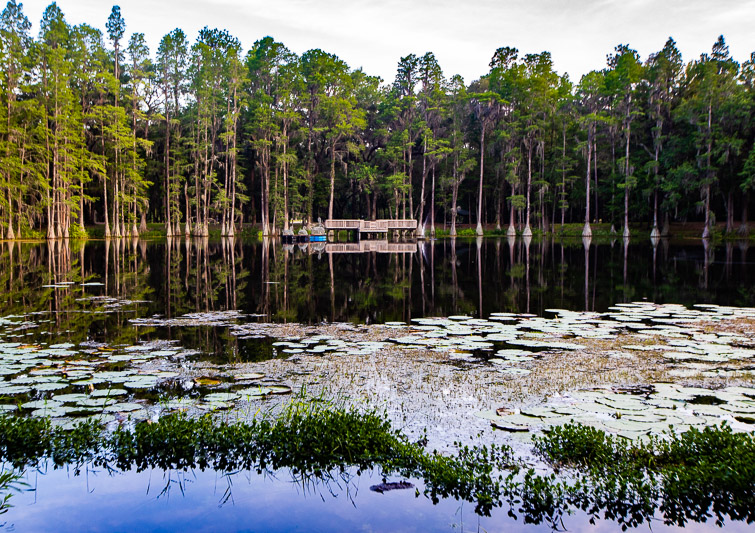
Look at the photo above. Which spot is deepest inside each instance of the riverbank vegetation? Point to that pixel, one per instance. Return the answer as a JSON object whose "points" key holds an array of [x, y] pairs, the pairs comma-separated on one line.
{"points": [[688, 477], [97, 129]]}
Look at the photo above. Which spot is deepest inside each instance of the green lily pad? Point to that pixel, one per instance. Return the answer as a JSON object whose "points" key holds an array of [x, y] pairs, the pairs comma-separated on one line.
{"points": [[124, 407], [254, 391], [70, 398], [108, 393], [46, 387], [41, 404], [249, 376], [144, 383], [52, 412], [10, 390], [221, 397], [512, 428], [96, 402], [540, 412], [163, 353], [739, 408], [180, 403], [214, 406]]}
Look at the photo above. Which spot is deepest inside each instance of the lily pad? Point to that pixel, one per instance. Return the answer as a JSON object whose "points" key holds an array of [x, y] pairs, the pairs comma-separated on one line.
{"points": [[41, 404], [207, 382], [221, 397], [249, 376], [124, 407], [108, 393]]}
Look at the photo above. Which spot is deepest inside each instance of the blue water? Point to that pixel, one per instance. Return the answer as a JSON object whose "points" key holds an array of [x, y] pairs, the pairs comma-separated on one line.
{"points": [[208, 501]]}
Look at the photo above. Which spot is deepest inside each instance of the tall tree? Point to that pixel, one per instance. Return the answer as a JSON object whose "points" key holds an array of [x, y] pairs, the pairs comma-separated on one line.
{"points": [[662, 73], [172, 72], [486, 108], [15, 43], [589, 94], [709, 82], [625, 72], [116, 27]]}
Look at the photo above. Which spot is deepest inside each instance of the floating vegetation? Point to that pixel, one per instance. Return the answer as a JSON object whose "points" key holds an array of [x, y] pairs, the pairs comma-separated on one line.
{"points": [[514, 347], [636, 373], [214, 318], [657, 409], [108, 303], [65, 381]]}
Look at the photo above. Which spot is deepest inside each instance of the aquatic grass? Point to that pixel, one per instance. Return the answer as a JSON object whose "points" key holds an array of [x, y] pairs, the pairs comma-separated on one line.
{"points": [[695, 475], [311, 439], [10, 482], [24, 441], [701, 473]]}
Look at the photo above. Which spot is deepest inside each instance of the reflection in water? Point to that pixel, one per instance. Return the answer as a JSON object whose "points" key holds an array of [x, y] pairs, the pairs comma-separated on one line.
{"points": [[654, 240], [707, 258], [527, 241], [586, 244], [122, 279], [626, 260], [479, 274], [207, 500]]}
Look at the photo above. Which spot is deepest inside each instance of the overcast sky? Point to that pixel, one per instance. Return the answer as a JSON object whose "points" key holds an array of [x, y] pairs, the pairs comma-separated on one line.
{"points": [[374, 34]]}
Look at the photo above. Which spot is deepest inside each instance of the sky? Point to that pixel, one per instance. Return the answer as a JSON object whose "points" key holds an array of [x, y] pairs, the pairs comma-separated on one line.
{"points": [[375, 34]]}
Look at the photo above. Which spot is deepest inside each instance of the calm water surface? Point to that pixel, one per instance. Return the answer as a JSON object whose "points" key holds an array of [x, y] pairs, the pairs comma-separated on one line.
{"points": [[207, 501], [90, 292], [308, 284]]}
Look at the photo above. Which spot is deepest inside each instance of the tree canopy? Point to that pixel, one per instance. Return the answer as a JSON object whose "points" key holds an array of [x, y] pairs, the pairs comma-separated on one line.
{"points": [[95, 129]]}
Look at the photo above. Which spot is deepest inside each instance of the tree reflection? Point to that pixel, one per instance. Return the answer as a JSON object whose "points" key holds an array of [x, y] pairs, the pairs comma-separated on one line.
{"points": [[312, 284]]}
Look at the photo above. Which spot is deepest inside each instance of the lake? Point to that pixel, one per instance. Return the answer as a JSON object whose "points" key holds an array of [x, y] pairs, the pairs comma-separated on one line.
{"points": [[129, 330]]}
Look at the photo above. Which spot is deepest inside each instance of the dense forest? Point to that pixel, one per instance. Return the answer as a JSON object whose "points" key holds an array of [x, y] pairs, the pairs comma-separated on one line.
{"points": [[96, 129]]}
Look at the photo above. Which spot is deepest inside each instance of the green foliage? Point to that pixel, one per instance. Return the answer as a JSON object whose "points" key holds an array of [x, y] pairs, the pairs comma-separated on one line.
{"points": [[685, 476], [91, 127], [311, 438], [78, 233]]}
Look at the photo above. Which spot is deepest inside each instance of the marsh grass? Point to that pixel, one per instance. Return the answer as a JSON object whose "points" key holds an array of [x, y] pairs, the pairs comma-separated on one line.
{"points": [[689, 477], [699, 474], [311, 439]]}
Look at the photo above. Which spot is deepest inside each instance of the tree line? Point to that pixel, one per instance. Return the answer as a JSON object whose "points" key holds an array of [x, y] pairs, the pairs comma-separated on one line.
{"points": [[95, 129]]}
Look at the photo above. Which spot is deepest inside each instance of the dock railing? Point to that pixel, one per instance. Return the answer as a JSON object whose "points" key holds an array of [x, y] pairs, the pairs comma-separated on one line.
{"points": [[371, 226]]}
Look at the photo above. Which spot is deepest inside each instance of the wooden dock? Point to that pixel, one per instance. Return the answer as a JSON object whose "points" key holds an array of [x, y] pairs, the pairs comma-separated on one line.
{"points": [[371, 226]]}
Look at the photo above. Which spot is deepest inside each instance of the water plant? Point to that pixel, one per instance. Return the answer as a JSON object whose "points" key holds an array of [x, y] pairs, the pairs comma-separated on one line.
{"points": [[312, 439], [699, 474]]}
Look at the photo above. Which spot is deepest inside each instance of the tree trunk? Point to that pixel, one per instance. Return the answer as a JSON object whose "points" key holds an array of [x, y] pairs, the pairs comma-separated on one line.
{"points": [[626, 180], [527, 230], [743, 227], [432, 206], [587, 231], [482, 168], [454, 198], [332, 178], [706, 189]]}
